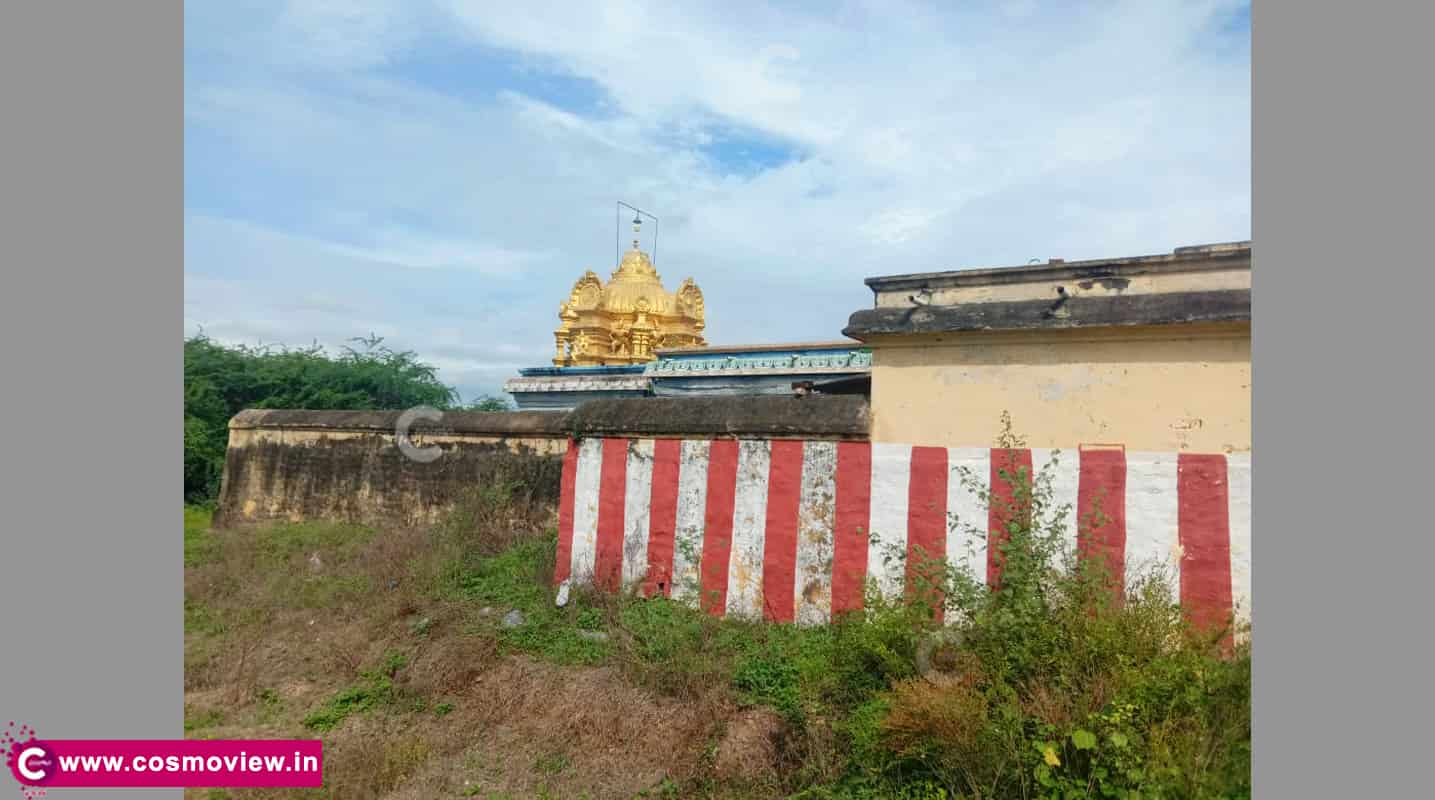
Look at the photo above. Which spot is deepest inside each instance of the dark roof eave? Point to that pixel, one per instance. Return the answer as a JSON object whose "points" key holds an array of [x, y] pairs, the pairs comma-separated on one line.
{"points": [[758, 416], [1108, 311], [1183, 259]]}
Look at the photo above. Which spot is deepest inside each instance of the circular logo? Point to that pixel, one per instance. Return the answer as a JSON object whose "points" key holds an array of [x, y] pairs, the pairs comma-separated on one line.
{"points": [[34, 763]]}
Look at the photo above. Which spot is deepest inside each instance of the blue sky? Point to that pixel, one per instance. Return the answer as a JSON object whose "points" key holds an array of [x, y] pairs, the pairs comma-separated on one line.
{"points": [[441, 172]]}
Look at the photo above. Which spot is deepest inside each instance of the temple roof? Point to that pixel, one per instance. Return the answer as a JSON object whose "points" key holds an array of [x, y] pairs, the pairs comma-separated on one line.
{"points": [[624, 320]]}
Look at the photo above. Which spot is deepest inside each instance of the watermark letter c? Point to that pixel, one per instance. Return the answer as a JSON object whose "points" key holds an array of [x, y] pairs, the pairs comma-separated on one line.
{"points": [[413, 452]]}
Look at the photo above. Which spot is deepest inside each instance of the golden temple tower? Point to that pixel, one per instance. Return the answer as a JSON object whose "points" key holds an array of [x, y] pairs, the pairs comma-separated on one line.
{"points": [[624, 321]]}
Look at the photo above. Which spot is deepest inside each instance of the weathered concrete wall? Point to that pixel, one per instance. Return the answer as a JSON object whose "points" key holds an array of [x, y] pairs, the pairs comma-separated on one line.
{"points": [[1177, 388], [792, 530], [347, 465]]}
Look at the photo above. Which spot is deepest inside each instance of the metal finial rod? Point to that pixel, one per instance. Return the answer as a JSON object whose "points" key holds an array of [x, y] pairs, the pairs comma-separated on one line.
{"points": [[618, 217]]}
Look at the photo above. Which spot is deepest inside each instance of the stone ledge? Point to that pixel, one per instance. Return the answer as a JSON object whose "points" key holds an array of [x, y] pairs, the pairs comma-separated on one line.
{"points": [[817, 416], [1080, 312], [1232, 255], [502, 423]]}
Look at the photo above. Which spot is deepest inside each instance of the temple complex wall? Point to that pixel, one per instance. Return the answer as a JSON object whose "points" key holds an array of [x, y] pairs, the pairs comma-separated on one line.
{"points": [[1127, 380], [796, 531], [350, 465]]}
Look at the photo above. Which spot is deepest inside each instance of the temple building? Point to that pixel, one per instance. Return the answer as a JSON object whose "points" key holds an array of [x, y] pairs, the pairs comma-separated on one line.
{"points": [[841, 367], [625, 320], [1152, 352], [631, 337]]}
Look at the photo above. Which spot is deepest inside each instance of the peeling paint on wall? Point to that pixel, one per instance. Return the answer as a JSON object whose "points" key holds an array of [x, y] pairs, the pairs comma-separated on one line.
{"points": [[585, 510], [1160, 509], [692, 503], [744, 588], [815, 518], [638, 494]]}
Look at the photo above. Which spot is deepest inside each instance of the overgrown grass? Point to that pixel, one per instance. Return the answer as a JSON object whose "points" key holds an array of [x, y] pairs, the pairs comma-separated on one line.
{"points": [[375, 688], [199, 544], [1045, 688]]}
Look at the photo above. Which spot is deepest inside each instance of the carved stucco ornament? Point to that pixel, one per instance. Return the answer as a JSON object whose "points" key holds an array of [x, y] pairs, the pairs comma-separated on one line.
{"points": [[626, 319]]}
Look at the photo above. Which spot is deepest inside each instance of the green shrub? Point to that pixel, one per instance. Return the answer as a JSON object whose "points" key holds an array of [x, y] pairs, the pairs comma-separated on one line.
{"points": [[770, 679], [222, 380], [1060, 690], [1045, 687], [510, 578], [375, 688]]}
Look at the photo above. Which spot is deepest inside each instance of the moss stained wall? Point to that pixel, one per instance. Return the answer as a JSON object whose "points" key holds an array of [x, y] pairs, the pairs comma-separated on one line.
{"points": [[348, 465], [363, 476]]}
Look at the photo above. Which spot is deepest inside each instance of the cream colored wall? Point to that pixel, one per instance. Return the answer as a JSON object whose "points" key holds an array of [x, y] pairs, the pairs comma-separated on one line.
{"points": [[1185, 389]]}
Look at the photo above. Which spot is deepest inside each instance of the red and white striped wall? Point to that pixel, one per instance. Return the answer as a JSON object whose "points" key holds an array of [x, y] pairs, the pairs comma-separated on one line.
{"points": [[793, 530]]}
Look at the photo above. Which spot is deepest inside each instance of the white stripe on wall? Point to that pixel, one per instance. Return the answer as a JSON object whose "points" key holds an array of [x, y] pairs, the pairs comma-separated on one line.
{"points": [[1064, 467], [749, 524], [968, 481], [1238, 476], [887, 535], [637, 498], [1152, 515], [692, 508], [1152, 519], [585, 509], [816, 516]]}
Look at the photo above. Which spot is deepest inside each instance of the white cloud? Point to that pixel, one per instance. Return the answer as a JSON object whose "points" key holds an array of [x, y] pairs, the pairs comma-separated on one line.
{"points": [[924, 138], [345, 33], [898, 225], [414, 251]]}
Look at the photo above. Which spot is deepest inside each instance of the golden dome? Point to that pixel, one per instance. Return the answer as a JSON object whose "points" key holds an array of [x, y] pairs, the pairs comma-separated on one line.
{"points": [[635, 285], [625, 320], [636, 266]]}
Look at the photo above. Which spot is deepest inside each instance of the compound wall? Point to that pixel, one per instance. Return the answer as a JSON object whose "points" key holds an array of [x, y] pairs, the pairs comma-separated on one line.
{"points": [[350, 465], [792, 530]]}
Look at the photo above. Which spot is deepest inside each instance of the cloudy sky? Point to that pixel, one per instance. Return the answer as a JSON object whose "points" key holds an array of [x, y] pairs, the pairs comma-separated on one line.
{"points": [[439, 172]]}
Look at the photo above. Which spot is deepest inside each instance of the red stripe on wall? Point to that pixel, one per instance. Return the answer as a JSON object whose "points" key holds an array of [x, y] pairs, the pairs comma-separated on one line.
{"points": [[1101, 514], [566, 499], [927, 526], [663, 517], [1204, 530], [1005, 506], [850, 520], [717, 525], [779, 543], [612, 485]]}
